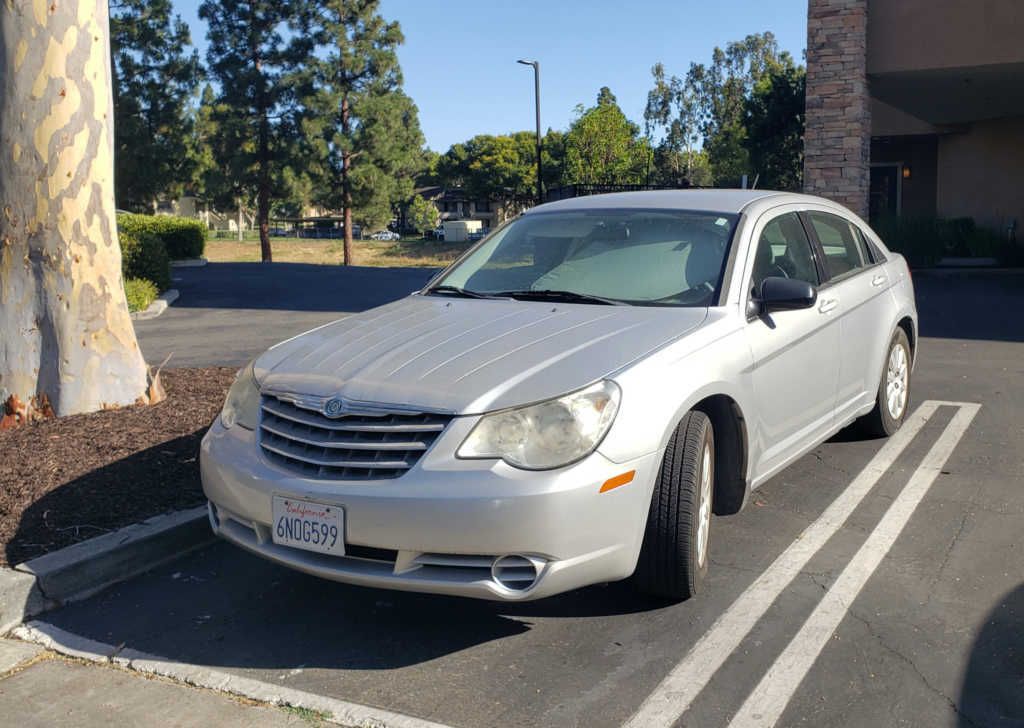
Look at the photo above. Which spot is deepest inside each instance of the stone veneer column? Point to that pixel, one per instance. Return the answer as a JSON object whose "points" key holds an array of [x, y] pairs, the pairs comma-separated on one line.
{"points": [[837, 140]]}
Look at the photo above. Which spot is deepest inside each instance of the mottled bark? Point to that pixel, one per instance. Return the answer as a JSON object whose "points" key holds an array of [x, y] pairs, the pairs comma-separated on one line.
{"points": [[65, 332]]}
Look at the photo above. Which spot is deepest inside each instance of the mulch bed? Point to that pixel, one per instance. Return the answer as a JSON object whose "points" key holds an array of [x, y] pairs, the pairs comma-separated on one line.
{"points": [[69, 479]]}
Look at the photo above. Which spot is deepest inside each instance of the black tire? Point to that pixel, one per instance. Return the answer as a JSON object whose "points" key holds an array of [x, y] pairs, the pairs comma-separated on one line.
{"points": [[880, 422], [670, 565]]}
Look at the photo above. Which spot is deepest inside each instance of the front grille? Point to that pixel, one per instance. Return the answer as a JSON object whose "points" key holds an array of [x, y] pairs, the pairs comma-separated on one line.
{"points": [[351, 447]]}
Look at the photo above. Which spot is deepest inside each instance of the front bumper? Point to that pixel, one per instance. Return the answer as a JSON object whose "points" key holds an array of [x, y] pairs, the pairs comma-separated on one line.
{"points": [[441, 526]]}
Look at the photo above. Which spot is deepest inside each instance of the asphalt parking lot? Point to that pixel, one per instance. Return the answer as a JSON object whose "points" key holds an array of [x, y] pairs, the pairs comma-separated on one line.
{"points": [[872, 583], [228, 313]]}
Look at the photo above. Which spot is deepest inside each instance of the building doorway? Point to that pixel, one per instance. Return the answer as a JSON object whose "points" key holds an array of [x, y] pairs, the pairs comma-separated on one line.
{"points": [[885, 192]]}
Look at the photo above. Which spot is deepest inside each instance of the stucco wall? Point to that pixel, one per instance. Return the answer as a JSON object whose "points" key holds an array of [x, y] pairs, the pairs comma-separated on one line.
{"points": [[981, 173], [911, 35]]}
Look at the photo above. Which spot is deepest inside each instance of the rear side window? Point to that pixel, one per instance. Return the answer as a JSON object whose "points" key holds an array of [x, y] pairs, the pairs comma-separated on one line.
{"points": [[844, 248], [784, 251]]}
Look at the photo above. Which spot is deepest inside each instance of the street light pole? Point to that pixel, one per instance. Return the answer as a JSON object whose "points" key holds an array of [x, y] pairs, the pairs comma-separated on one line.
{"points": [[536, 94]]}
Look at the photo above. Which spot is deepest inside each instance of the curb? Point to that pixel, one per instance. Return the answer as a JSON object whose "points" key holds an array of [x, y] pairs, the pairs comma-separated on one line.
{"points": [[82, 569], [158, 306], [340, 711], [189, 263]]}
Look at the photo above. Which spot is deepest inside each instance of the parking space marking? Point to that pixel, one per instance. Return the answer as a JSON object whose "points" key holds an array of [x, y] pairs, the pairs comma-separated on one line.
{"points": [[765, 704], [673, 696]]}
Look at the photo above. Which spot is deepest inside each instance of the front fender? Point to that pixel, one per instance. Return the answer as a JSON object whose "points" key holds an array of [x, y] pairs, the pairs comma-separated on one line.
{"points": [[658, 391]]}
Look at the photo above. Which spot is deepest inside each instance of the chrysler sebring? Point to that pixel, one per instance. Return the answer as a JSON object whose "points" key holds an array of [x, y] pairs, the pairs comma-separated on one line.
{"points": [[571, 400]]}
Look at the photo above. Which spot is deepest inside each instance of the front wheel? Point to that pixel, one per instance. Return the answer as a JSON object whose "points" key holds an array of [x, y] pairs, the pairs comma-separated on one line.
{"points": [[674, 557], [893, 398]]}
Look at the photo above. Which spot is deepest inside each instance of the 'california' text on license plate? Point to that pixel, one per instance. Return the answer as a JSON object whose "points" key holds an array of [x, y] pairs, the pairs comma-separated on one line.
{"points": [[308, 525]]}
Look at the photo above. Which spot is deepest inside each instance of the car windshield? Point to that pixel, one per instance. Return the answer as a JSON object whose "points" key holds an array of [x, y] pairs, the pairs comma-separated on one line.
{"points": [[638, 257]]}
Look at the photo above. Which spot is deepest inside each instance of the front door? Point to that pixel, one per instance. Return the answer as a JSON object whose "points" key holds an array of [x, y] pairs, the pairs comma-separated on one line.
{"points": [[795, 353], [884, 198], [860, 289]]}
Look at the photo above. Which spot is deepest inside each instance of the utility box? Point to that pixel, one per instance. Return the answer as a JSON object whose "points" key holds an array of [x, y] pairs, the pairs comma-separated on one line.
{"points": [[457, 231]]}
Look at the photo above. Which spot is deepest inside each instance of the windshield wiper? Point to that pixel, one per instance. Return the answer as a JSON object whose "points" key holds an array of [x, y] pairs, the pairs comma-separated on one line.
{"points": [[567, 296], [456, 291]]}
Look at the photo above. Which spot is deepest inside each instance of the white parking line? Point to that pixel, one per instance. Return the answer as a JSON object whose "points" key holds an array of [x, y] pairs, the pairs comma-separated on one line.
{"points": [[765, 704], [684, 682]]}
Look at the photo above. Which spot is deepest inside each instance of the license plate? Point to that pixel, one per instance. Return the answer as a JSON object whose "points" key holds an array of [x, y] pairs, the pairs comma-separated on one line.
{"points": [[308, 525]]}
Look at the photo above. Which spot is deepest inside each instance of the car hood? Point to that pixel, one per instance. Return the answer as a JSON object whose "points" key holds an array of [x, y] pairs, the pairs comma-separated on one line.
{"points": [[468, 356]]}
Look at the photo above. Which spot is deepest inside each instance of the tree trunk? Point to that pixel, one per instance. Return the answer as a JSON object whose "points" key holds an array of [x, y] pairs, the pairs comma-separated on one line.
{"points": [[346, 184], [263, 194], [65, 334]]}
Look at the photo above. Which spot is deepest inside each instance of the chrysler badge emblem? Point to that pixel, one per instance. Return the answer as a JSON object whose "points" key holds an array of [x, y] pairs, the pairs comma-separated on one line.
{"points": [[334, 407]]}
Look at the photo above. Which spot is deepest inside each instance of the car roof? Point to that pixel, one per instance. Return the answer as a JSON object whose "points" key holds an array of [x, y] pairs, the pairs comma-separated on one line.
{"points": [[711, 200]]}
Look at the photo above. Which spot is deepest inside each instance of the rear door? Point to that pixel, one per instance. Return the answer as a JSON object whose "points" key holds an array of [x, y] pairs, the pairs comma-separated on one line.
{"points": [[795, 353], [856, 285]]}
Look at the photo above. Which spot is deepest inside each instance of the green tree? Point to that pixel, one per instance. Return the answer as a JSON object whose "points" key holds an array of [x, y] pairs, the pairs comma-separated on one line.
{"points": [[672, 115], [604, 147], [421, 214], [709, 104], [155, 74], [256, 51], [503, 168], [775, 127], [366, 143]]}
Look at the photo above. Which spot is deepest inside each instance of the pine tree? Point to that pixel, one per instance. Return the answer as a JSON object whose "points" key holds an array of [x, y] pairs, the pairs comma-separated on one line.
{"points": [[257, 49], [366, 143], [155, 73]]}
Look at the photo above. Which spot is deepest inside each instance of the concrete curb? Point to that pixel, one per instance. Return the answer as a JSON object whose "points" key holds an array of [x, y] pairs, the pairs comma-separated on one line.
{"points": [[158, 306], [340, 711], [189, 263], [81, 570]]}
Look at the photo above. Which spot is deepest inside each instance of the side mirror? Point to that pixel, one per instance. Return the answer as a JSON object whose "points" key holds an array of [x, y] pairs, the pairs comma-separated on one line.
{"points": [[785, 294]]}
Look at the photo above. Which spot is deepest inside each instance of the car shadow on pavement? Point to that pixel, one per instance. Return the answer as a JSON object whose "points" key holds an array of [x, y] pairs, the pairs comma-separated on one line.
{"points": [[226, 608], [294, 286], [992, 693]]}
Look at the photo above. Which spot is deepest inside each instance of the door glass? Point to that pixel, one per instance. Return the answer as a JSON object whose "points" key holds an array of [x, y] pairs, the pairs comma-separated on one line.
{"points": [[844, 252], [884, 194], [785, 252]]}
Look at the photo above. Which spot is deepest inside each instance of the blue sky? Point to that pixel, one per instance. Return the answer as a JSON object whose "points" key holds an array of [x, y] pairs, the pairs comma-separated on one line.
{"points": [[459, 57]]}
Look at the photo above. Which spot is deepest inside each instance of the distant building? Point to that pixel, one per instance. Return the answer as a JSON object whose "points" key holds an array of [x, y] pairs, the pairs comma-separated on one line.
{"points": [[454, 204], [916, 107]]}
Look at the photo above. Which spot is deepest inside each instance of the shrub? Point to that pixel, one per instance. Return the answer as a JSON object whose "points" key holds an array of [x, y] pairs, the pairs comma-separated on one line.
{"points": [[143, 255], [924, 241], [182, 236], [140, 293]]}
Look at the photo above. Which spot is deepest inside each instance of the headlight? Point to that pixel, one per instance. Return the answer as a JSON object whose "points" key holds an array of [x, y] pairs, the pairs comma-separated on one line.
{"points": [[549, 434], [242, 405]]}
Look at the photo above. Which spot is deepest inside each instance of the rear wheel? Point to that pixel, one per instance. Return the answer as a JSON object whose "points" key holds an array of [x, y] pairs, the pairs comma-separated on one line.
{"points": [[893, 398], [674, 557]]}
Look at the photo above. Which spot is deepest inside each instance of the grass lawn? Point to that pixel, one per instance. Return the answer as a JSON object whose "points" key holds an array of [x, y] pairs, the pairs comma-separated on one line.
{"points": [[405, 253]]}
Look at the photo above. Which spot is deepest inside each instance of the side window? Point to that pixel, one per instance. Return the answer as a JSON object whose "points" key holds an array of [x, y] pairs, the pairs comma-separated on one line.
{"points": [[784, 251], [844, 249], [870, 248]]}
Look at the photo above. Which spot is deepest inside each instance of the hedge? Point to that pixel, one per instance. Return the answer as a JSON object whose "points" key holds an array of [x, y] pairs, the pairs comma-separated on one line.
{"points": [[182, 236], [143, 255], [140, 293], [926, 240]]}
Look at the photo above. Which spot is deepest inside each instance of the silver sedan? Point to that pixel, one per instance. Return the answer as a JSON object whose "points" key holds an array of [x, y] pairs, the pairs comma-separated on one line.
{"points": [[571, 400]]}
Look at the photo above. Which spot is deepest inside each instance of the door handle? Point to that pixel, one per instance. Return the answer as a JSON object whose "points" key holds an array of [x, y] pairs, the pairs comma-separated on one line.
{"points": [[879, 280], [827, 305]]}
